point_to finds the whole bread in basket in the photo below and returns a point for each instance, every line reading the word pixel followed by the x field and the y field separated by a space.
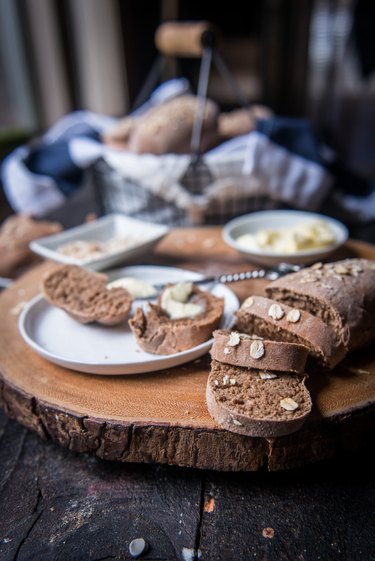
pixel 166 128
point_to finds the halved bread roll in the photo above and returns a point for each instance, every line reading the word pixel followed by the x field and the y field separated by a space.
pixel 156 332
pixel 84 295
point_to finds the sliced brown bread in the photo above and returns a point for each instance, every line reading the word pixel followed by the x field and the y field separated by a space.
pixel 157 333
pixel 84 295
pixel 340 293
pixel 257 403
pixel 240 349
pixel 280 322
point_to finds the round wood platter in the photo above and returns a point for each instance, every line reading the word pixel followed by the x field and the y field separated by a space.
pixel 162 416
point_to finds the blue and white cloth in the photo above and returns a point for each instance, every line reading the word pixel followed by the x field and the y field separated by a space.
pixel 281 162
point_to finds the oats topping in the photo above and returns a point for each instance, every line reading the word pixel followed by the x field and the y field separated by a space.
pixel 267 375
pixel 289 404
pixel 308 278
pixel 248 302
pixel 234 339
pixel 235 422
pixel 276 312
pixel 256 349
pixel 293 316
pixel 342 270
pixel 226 351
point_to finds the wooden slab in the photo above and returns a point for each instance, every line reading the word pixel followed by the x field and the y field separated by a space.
pixel 162 417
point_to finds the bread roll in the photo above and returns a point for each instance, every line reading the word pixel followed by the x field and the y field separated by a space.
pixel 157 333
pixel 168 127
pixel 84 295
pixel 340 293
pixel 280 322
pixel 16 233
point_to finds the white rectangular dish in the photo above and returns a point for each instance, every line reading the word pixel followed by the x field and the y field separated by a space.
pixel 123 238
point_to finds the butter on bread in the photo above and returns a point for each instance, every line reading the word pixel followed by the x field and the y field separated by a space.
pixel 159 333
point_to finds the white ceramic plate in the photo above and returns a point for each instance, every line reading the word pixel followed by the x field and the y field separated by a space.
pixel 108 350
pixel 275 219
pixel 143 236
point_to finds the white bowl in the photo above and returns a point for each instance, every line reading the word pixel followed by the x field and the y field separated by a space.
pixel 277 219
pixel 142 238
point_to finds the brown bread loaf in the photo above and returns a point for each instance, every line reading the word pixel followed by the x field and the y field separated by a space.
pixel 240 349
pixel 157 333
pixel 280 322
pixel 257 403
pixel 341 293
pixel 167 128
pixel 241 121
pixel 84 295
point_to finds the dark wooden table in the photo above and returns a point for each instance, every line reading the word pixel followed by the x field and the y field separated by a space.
pixel 60 505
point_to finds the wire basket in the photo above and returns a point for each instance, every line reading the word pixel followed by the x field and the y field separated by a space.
pixel 124 195
pixel 119 192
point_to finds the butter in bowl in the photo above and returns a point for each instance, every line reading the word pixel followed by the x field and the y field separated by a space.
pixel 293 236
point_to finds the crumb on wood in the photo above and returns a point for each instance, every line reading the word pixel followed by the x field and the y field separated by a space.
pixel 268 532
pixel 209 504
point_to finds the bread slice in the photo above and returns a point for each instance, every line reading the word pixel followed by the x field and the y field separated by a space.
pixel 280 322
pixel 257 403
pixel 157 333
pixel 84 295
pixel 340 293
pixel 240 349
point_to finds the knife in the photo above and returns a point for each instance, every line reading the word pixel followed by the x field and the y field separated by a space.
pixel 225 278
pixel 271 274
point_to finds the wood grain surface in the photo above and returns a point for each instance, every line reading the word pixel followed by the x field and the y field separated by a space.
pixel 58 505
pixel 162 417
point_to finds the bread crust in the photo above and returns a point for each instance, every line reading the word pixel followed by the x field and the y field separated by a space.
pixel 340 293
pixel 16 233
pixel 84 295
pixel 167 128
pixel 255 317
pixel 275 356
pixel 158 334
pixel 252 406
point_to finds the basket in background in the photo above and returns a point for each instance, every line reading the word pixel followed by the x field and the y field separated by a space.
pixel 118 193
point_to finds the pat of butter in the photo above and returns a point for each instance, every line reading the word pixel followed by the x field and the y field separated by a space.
pixel 136 287
pixel 301 237
pixel 175 302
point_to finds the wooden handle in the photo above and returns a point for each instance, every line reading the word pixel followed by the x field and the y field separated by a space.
pixel 184 39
